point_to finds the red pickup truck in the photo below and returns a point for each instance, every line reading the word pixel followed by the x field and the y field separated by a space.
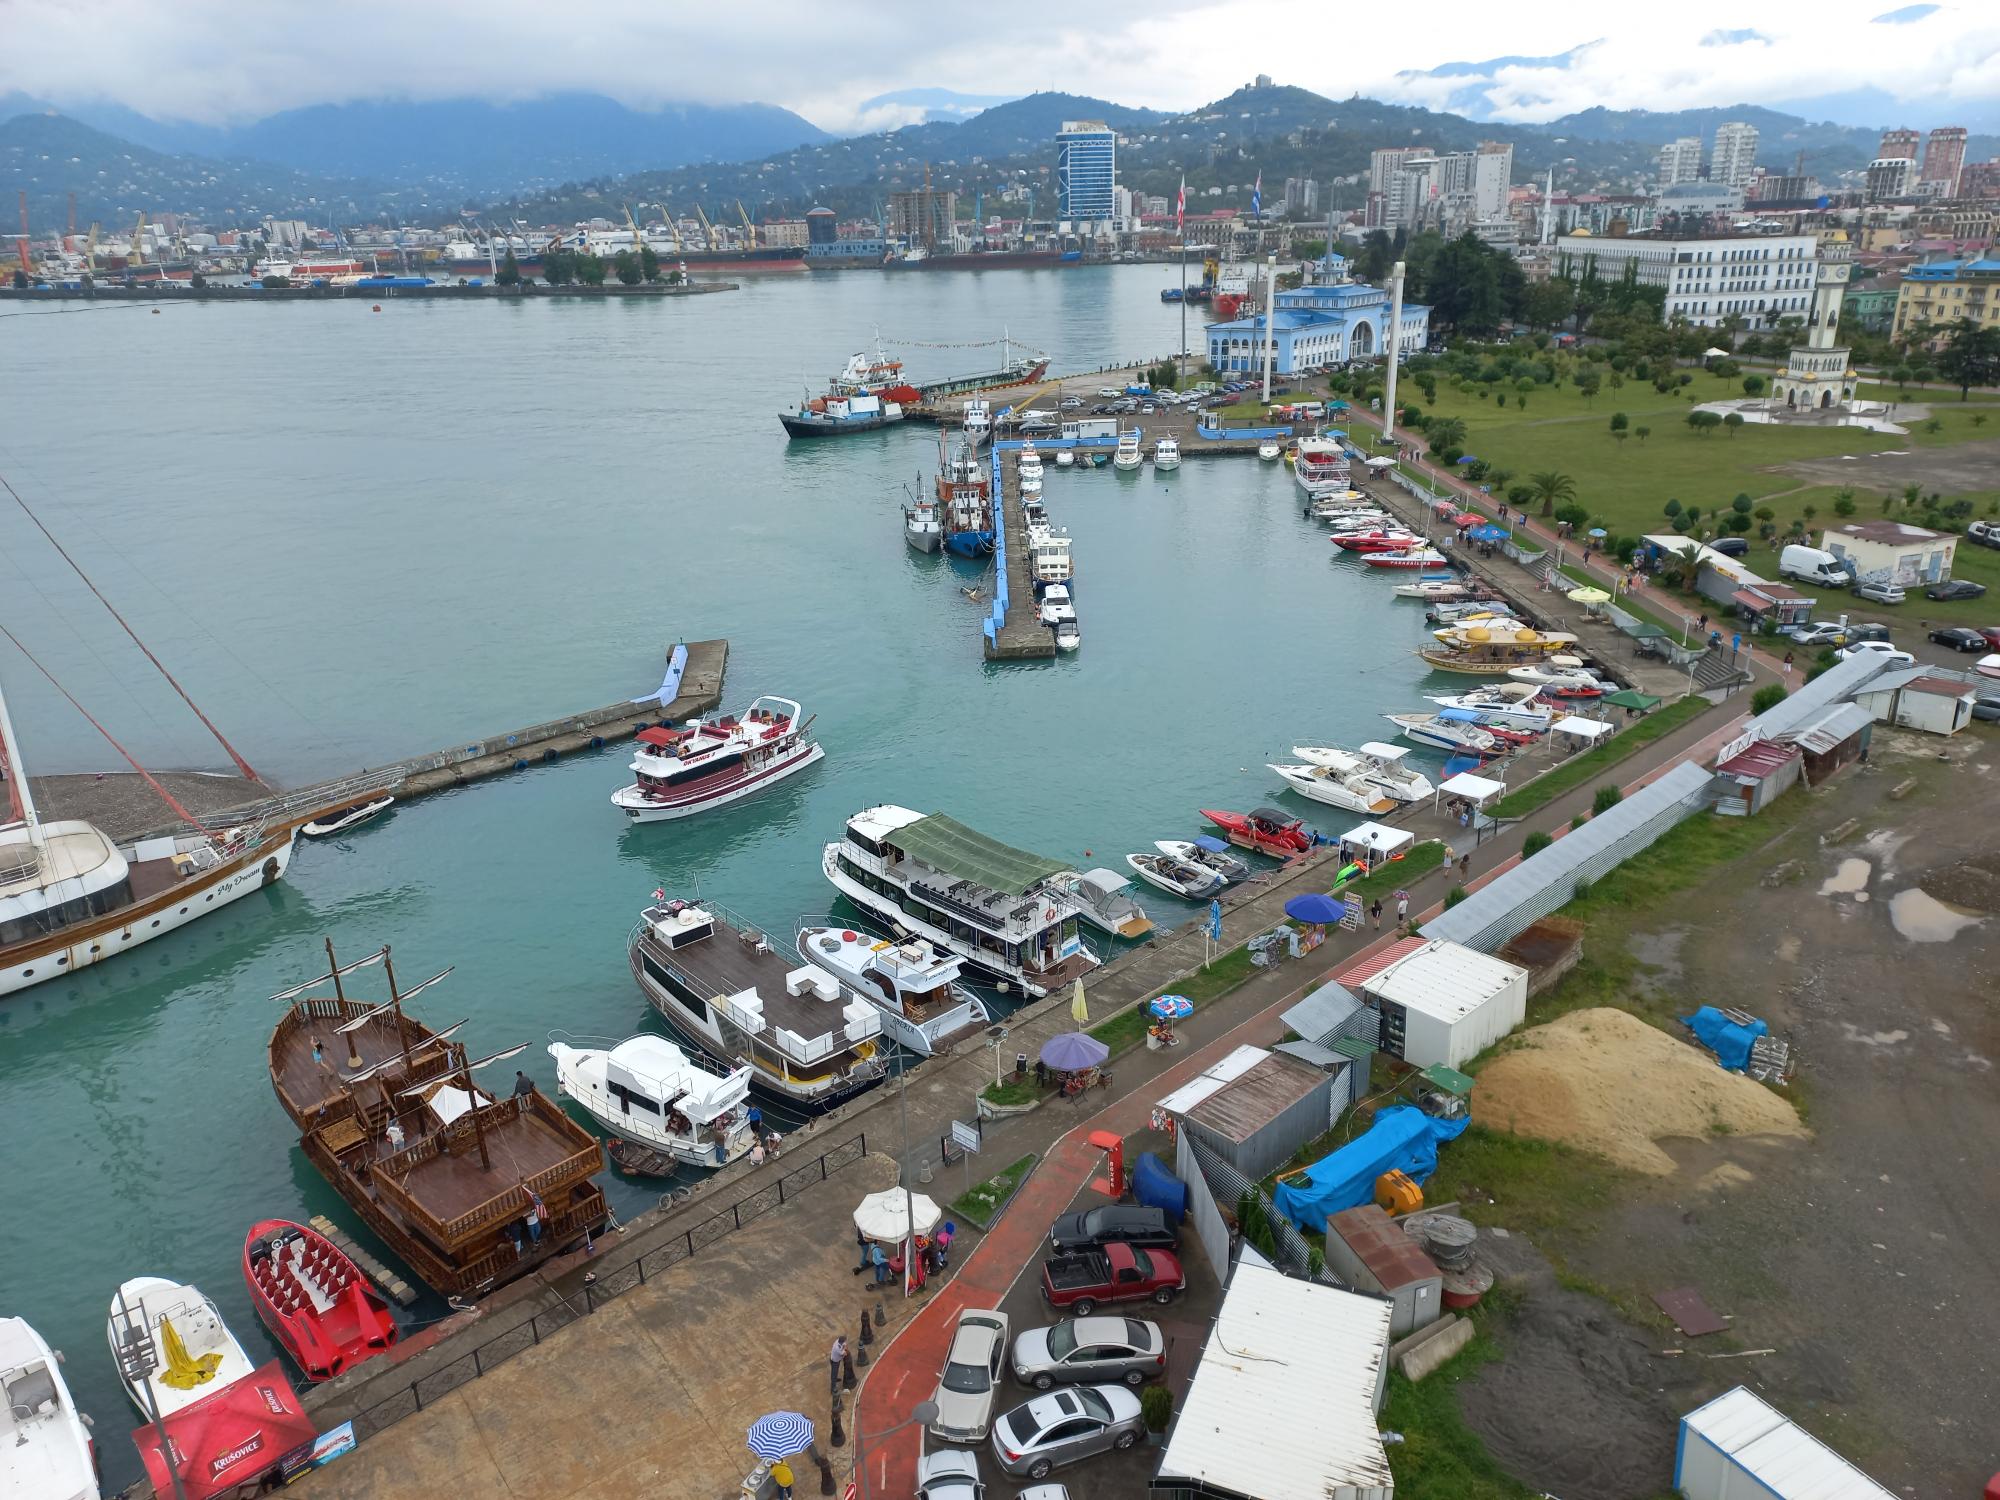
pixel 1116 1273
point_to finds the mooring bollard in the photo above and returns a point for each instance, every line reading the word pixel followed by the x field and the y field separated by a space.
pixel 825 1475
pixel 867 1329
pixel 847 1372
pixel 839 1438
pixel 881 1313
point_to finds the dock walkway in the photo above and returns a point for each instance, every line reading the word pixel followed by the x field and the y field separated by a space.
pixel 1019 634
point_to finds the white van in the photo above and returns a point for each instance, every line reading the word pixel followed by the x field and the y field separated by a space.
pixel 1810 565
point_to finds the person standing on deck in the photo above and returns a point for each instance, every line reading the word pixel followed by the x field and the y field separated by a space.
pixel 523 1085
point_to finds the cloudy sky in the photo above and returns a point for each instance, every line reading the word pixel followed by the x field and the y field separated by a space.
pixel 220 61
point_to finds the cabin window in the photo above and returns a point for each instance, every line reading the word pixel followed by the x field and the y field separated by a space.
pixel 862 841
pixel 674 985
pixel 632 1101
pixel 699 773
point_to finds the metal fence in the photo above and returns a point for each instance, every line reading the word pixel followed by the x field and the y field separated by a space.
pixel 1295 1257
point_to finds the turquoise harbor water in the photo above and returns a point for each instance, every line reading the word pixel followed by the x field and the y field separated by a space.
pixel 358 535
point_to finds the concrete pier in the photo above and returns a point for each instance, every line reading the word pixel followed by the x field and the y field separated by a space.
pixel 1021 636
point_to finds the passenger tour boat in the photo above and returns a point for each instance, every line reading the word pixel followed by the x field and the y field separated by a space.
pixel 315 1301
pixel 714 761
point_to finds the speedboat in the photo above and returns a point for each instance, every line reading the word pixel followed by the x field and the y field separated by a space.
pixel 1348 789
pixel 1517 703
pixel 1376 539
pixel 193 1351
pixel 1102 903
pixel 1575 687
pixel 916 985
pixel 1437 590
pixel 1559 671
pixel 1453 729
pixel 716 760
pixel 1069 636
pixel 922 528
pixel 45 1450
pixel 1174 876
pixel 340 819
pixel 1206 849
pixel 1386 768
pixel 654 1093
pixel 1415 557
pixel 314 1299
pixel 1128 456
pixel 1263 829
pixel 1166 454
pixel 1268 451
pixel 1056 606
pixel 1065 459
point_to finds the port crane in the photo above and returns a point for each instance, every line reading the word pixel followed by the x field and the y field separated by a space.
pixel 21 245
pixel 749 229
pixel 708 229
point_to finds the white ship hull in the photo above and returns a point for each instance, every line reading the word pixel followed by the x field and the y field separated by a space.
pixel 585 1086
pixel 640 811
pixel 195 1319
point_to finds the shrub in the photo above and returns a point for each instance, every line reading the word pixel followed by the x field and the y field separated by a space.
pixel 1582 888
pixel 1741 505
pixel 1671 508
pixel 1455 895
pixel 1767 697
pixel 1753 385
pixel 1412 416
pixel 1578 821
pixel 1605 798
pixel 1535 843
pixel 1156 1406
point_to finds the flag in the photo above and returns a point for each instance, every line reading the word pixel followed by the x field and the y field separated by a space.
pixel 1257 198
pixel 1215 920
pixel 1180 208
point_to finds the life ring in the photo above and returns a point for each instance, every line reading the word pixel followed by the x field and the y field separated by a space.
pixel 1049 915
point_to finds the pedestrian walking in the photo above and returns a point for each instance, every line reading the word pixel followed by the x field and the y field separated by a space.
pixel 1701 621
pixel 1788 664
pixel 861 1245
pixel 1465 864
pixel 781 1476
pixel 1375 911
pixel 319 1052
pixel 835 1358
pixel 1402 907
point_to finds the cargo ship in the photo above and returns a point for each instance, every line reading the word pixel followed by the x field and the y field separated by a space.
pixel 983 260
pixel 1014 372
pixel 463 258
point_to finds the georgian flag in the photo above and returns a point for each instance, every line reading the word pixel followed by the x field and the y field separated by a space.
pixel 1257 198
pixel 1180 208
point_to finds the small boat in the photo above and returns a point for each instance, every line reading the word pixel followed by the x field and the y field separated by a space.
pixel 45 1448
pixel 1263 829
pixel 1268 451
pixel 1069 635
pixel 1385 765
pixel 1031 460
pixel 1031 484
pixel 1065 459
pixel 653 1093
pixel 1376 539
pixel 1487 612
pixel 194 1353
pixel 1516 703
pixel 917 986
pixel 1988 666
pixel 1176 877
pixel 1345 788
pixel 1558 671
pixel 640 1161
pixel 1166 454
pixel 716 760
pixel 1101 902
pixel 1453 729
pixel 340 819
pixel 923 529
pixel 1437 590
pixel 1509 734
pixel 314 1299
pixel 1493 650
pixel 1206 849
pixel 1321 467
pixel 1416 557
pixel 1128 456
pixel 1056 606
pixel 1575 688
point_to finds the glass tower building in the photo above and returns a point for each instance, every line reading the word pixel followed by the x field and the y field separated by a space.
pixel 1086 171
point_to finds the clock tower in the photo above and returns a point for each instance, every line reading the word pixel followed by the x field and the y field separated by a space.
pixel 1817 376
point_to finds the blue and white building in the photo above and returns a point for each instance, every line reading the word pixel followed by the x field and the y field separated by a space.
pixel 1329 323
pixel 1087 172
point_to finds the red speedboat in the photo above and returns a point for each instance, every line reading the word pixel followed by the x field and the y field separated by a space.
pixel 1377 541
pixel 1264 829
pixel 314 1299
pixel 1572 690
pixel 1512 736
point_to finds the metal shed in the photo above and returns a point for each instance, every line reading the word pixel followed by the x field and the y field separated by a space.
pixel 1254 1109
pixel 1442 1002
pixel 1739 1447
pixel 1330 1014
pixel 1925 698
pixel 1756 775
pixel 1371 1252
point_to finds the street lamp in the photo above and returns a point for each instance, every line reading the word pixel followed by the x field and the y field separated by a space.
pixel 923 1413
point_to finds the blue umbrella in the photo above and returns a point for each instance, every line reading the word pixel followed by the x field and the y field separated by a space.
pixel 1490 533
pixel 780 1435
pixel 1072 1051
pixel 1596 531
pixel 1171 1007
pixel 1467 458
pixel 1313 907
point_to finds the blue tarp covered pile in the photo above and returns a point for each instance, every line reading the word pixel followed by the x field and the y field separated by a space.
pixel 1403 1138
pixel 1729 1040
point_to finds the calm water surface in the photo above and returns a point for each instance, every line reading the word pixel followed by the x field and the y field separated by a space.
pixel 355 536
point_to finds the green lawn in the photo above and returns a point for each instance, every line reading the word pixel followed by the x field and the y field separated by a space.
pixel 984 1200
pixel 1662 614
pixel 1412 867
pixel 1587 767
pixel 1128 1027
pixel 1026 1091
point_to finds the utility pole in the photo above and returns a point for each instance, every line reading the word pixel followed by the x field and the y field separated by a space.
pixel 1394 346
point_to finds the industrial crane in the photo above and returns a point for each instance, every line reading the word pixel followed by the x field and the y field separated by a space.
pixel 27 263
pixel 138 255
pixel 749 229
pixel 673 226
pixel 708 229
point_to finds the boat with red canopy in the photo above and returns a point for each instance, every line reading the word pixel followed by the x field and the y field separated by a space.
pixel 314 1299
pixel 1383 539
pixel 250 1432
pixel 1264 829
pixel 713 761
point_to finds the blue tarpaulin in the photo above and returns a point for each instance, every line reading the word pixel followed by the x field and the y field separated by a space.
pixel 1402 1139
pixel 1155 1186
pixel 1728 1040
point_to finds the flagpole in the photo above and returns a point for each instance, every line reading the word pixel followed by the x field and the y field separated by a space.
pixel 1180 216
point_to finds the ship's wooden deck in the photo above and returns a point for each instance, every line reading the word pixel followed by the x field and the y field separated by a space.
pixel 449 1185
pixel 309 1084
pixel 724 964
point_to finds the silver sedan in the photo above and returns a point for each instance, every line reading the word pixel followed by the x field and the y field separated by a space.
pixel 1088 1350
pixel 1065 1426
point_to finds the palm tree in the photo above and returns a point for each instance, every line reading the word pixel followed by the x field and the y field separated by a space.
pixel 1550 487
pixel 1445 432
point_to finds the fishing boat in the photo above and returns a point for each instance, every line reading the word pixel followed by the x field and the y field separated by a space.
pixel 1515 703
pixel 724 987
pixel 647 1091
pixel 1263 829
pixel 713 761
pixel 339 819
pixel 1069 635
pixel 45 1447
pixel 923 528
pixel 1338 786
pixel 915 985
pixel 1056 607
pixel 1166 454
pixel 1454 729
pixel 995 906
pixel 314 1299
pixel 964 488
pixel 837 416
pixel 1101 902
pixel 978 422
pixel 1321 467
pixel 1415 557
pixel 1128 456
pixel 1268 452
pixel 193 1352
pixel 1206 849
pixel 466 1188
pixel 1494 650
pixel 1177 877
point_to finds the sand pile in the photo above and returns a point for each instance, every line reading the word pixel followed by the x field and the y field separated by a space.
pixel 1605 1081
pixel 1973 884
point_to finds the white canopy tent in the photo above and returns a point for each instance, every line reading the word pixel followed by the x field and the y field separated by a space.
pixel 1588 731
pixel 883 1216
pixel 1374 842
pixel 1478 790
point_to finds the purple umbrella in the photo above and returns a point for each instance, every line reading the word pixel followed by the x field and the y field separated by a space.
pixel 1072 1051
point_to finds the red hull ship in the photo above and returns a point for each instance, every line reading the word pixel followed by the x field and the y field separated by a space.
pixel 314 1299
pixel 1264 829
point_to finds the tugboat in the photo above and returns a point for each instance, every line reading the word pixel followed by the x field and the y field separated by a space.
pixel 715 761
pixel 965 493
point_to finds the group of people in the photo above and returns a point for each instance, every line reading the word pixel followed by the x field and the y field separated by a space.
pixel 1402 899
pixel 933 1254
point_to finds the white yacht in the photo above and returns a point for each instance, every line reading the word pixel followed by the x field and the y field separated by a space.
pixel 1268 452
pixel 923 528
pixel 1031 484
pixel 1384 765
pixel 1065 459
pixel 1102 903
pixel 1453 730
pixel 721 985
pixel 995 906
pixel 45 1450
pixel 1347 786
pixel 1128 456
pixel 1166 454
pixel 1322 467
pixel 1049 558
pixel 647 1090
pixel 1517 705
pixel 913 983
pixel 194 1353
pixel 716 760
pixel 1177 877
pixel 1206 849
pixel 1056 606
pixel 1069 635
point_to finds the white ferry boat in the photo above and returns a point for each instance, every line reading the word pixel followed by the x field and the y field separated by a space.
pixel 648 1091
pixel 997 907
pixel 45 1449
pixel 1322 467
pixel 716 760
pixel 723 987
pixel 913 983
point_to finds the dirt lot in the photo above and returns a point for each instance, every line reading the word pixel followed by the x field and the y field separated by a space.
pixel 1951 470
pixel 1863 1256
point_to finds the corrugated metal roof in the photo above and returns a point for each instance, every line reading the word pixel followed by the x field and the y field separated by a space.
pixel 1321 1012
pixel 1359 971
pixel 1312 1054
pixel 1840 681
pixel 1444 980
pixel 1226 1070
pixel 1245 1105
pixel 1786 1458
pixel 1285 1356
pixel 1830 728
pixel 1760 760
pixel 1378 1242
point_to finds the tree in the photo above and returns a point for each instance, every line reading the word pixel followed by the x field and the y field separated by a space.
pixel 1971 356
pixel 1732 422
pixel 1619 421
pixel 1519 495
pixel 1704 422
pixel 590 270
pixel 1548 303
pixel 625 266
pixel 1671 509
pixel 509 273
pixel 1753 385
pixel 1604 799
pixel 1741 504
pixel 1535 843
pixel 558 266
pixel 1375 258
pixel 1767 697
pixel 1642 433
pixel 1590 383
pixel 1551 487
pixel 1445 432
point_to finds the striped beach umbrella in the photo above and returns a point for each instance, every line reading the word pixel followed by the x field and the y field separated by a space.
pixel 780 1435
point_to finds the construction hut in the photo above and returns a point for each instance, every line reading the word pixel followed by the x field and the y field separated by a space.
pixel 1254 1109
pixel 1772 606
pixel 1836 737
pixel 1370 1252
pixel 1926 698
pixel 1337 1033
pixel 1440 1003
pixel 1756 775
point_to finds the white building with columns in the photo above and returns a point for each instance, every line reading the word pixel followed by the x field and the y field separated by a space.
pixel 1760 278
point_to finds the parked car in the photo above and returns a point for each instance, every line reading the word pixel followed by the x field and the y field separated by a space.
pixel 1117 1273
pixel 1987 709
pixel 1065 1426
pixel 1095 1228
pixel 1109 392
pixel 1090 1350
pixel 949 1474
pixel 1730 546
pixel 1985 533
pixel 1880 649
pixel 1866 630
pixel 971 1374
pixel 1958 588
pixel 1992 634
pixel 1880 593
pixel 1960 638
pixel 1821 633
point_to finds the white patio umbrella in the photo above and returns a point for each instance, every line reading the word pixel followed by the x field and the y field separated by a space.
pixel 882 1216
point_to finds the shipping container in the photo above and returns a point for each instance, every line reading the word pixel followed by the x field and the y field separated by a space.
pixel 1738 1447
